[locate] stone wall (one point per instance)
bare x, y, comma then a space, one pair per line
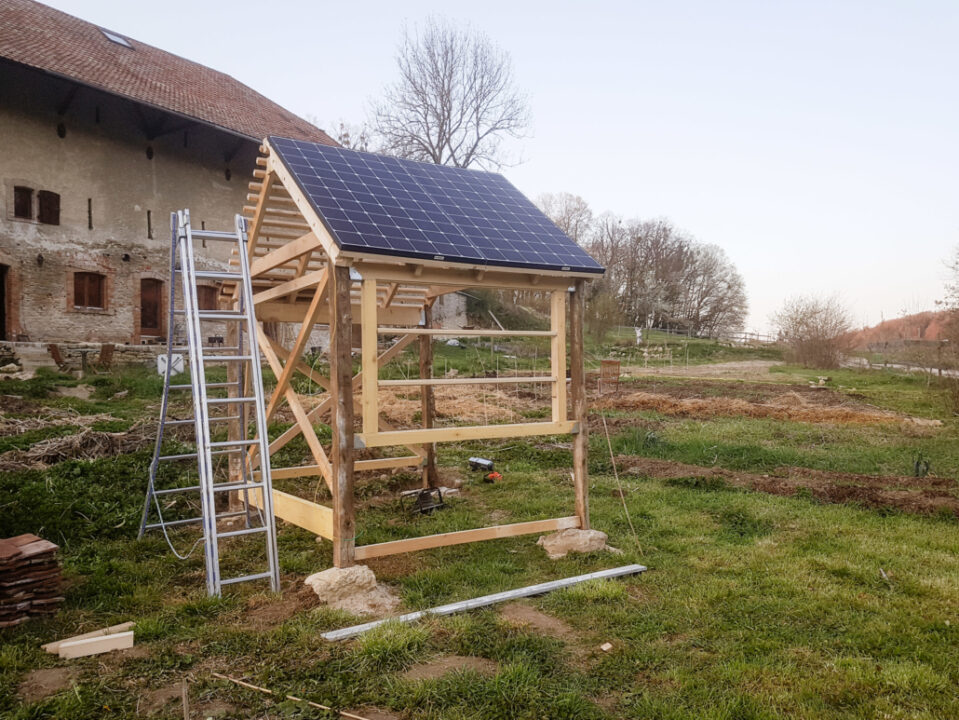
117, 187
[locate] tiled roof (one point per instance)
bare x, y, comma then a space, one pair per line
40, 37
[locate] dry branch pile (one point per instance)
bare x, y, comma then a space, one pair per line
53, 418
30, 581
88, 444
789, 406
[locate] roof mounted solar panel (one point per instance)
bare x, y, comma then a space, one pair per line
389, 206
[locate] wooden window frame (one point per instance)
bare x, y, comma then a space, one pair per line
80, 275
48, 207
17, 190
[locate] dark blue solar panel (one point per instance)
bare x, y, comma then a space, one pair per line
377, 204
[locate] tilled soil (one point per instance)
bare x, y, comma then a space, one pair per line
926, 496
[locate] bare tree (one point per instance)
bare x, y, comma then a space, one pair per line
570, 213
454, 102
816, 330
353, 136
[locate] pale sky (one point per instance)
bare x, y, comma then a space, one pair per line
816, 142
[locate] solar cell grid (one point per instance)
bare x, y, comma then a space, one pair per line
404, 208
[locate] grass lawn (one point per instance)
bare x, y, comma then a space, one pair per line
754, 605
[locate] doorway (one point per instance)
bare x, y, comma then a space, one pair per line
151, 300
4, 301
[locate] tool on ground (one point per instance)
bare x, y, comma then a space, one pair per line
423, 501
492, 477
242, 404
478, 463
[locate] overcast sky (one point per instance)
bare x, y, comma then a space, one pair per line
816, 142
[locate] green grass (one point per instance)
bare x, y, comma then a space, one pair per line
754, 606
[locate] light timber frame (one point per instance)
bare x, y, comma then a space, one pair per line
300, 275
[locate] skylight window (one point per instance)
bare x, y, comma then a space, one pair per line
118, 39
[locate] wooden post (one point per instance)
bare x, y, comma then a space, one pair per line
558, 354
430, 476
369, 367
578, 392
341, 390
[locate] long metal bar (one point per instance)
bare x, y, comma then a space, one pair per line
486, 600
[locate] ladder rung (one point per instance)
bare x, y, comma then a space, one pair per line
224, 235
170, 491
221, 315
244, 578
244, 531
224, 487
225, 358
217, 275
191, 421
234, 443
187, 348
186, 456
208, 385
224, 401
172, 523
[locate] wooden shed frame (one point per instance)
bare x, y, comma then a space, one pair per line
300, 275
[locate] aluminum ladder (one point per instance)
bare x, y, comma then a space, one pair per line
236, 407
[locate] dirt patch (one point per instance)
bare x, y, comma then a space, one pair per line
83, 392
523, 614
451, 663
267, 611
40, 684
927, 496
785, 406
153, 701
375, 714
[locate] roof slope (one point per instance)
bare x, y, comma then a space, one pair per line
391, 206
41, 37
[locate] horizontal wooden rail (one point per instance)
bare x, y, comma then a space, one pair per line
502, 380
359, 465
471, 432
318, 519
464, 333
365, 552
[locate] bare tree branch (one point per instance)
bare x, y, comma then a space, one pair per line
454, 101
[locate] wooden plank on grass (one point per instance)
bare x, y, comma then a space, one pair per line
96, 645
54, 647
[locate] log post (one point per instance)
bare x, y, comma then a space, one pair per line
577, 377
341, 388
430, 476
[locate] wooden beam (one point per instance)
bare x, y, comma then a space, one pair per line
365, 552
278, 311
464, 333
253, 230
341, 392
578, 393
318, 519
470, 432
324, 407
286, 253
291, 287
370, 368
428, 400
387, 463
502, 380
301, 367
299, 345
558, 353
390, 294
302, 420
438, 273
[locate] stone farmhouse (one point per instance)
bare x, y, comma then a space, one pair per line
103, 137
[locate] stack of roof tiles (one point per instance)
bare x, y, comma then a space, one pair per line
30, 580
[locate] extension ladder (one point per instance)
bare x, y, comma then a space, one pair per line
243, 407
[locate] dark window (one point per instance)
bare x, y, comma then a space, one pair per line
49, 207
151, 292
88, 290
23, 202
206, 297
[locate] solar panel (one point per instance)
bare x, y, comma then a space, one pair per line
384, 205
